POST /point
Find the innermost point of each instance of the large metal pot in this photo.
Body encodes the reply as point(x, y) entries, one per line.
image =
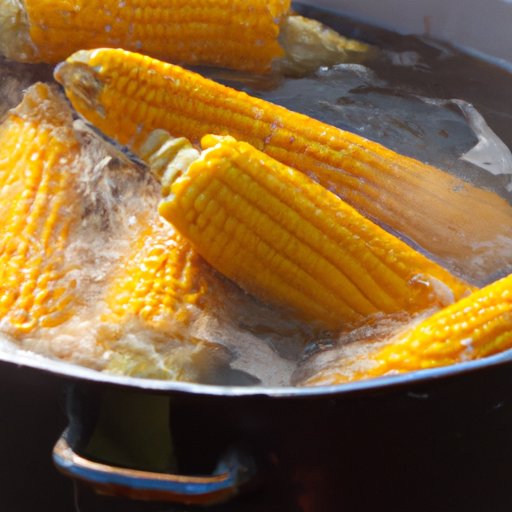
point(439, 440)
point(435, 440)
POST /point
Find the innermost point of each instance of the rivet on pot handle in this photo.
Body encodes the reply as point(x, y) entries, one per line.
point(233, 471)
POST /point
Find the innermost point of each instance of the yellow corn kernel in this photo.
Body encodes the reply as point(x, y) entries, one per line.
point(38, 206)
point(477, 326)
point(241, 34)
point(290, 242)
point(157, 284)
point(430, 207)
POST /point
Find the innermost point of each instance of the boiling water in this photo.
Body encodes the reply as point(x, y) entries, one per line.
point(419, 97)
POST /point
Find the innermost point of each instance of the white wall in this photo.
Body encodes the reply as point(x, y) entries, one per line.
point(484, 25)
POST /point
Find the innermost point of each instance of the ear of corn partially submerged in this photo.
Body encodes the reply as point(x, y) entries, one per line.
point(151, 301)
point(477, 326)
point(158, 283)
point(233, 33)
point(128, 95)
point(292, 243)
point(38, 208)
point(239, 34)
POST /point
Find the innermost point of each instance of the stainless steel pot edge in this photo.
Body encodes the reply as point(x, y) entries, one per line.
point(63, 369)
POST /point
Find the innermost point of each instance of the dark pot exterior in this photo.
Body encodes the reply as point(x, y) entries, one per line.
point(436, 445)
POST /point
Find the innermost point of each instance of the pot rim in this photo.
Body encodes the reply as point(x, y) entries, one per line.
point(76, 372)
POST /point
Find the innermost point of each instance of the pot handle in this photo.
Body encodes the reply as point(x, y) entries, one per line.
point(234, 470)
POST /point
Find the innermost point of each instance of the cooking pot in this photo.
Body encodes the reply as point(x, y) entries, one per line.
point(431, 440)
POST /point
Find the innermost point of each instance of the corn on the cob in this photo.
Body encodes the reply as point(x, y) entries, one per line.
point(232, 33)
point(477, 326)
point(38, 209)
point(289, 241)
point(128, 95)
point(149, 308)
point(158, 284)
point(239, 34)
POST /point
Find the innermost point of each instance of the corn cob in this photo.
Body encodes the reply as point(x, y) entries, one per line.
point(239, 34)
point(233, 33)
point(290, 242)
point(149, 308)
point(38, 209)
point(127, 96)
point(477, 326)
point(158, 284)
